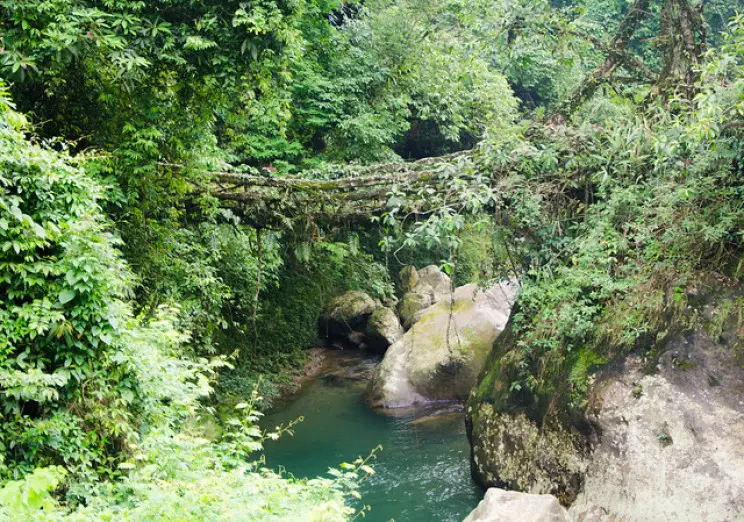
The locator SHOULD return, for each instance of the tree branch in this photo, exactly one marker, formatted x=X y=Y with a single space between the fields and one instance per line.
x=616 y=55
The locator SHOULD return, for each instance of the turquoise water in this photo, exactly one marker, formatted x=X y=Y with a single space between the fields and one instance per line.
x=422 y=474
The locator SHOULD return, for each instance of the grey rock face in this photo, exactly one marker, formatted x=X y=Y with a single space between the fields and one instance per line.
x=672 y=443
x=666 y=444
x=511 y=506
x=432 y=281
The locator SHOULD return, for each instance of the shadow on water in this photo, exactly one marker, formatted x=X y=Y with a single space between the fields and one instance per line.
x=422 y=474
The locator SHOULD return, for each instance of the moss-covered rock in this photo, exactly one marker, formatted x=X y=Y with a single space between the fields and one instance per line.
x=407 y=279
x=383 y=329
x=347 y=313
x=423 y=288
x=512 y=451
x=441 y=355
x=411 y=304
x=517 y=440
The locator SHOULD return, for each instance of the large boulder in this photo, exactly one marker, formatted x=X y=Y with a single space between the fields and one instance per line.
x=383 y=330
x=347 y=313
x=672 y=443
x=441 y=355
x=423 y=288
x=499 y=505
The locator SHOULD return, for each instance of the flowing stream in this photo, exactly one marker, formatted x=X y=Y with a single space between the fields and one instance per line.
x=422 y=473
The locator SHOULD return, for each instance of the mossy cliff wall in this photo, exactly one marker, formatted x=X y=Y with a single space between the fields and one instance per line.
x=517 y=439
x=652 y=414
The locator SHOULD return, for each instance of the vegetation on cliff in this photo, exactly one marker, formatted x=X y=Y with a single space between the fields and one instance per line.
x=185 y=186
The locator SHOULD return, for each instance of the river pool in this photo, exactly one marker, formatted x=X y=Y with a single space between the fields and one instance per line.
x=422 y=473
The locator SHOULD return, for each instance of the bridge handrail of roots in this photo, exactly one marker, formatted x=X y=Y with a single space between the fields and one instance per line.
x=338 y=193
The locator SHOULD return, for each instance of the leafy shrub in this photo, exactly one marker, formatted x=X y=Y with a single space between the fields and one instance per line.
x=91 y=392
x=177 y=475
x=62 y=317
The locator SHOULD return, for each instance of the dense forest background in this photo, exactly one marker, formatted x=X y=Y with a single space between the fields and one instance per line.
x=603 y=170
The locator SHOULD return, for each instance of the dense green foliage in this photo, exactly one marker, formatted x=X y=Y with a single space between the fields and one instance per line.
x=65 y=328
x=261 y=85
x=126 y=283
x=613 y=218
x=90 y=391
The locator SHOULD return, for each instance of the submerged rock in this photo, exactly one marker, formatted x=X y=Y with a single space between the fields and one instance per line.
x=510 y=506
x=424 y=288
x=357 y=339
x=383 y=329
x=347 y=313
x=441 y=355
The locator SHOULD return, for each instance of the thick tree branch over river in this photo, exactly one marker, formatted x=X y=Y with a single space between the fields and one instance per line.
x=342 y=193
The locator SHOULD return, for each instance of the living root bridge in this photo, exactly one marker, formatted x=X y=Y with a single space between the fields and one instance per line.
x=342 y=194
x=350 y=193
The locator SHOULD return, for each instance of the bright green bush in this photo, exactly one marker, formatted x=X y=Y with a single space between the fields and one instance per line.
x=68 y=395
x=90 y=392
